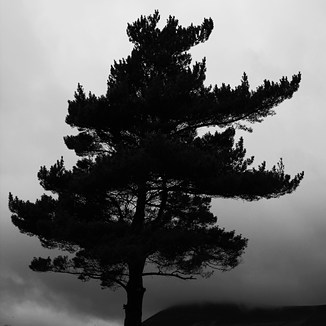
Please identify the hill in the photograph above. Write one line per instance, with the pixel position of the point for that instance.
(225, 315)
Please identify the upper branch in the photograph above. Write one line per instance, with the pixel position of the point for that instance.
(224, 106)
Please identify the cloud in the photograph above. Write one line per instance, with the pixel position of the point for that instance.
(36, 301)
(33, 313)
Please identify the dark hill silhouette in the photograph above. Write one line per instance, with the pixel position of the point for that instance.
(225, 315)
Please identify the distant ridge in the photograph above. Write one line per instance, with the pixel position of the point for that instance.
(227, 314)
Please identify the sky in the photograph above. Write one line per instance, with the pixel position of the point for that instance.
(47, 47)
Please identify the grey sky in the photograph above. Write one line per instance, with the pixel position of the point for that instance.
(47, 47)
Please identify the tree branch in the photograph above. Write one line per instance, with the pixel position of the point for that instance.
(93, 276)
(173, 274)
(164, 198)
(212, 123)
(117, 205)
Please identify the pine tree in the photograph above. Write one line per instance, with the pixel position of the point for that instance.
(137, 202)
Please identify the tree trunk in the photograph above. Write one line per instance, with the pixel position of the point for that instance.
(135, 294)
(138, 219)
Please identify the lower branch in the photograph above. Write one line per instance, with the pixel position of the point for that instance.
(173, 274)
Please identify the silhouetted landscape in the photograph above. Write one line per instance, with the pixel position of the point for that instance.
(174, 173)
(223, 315)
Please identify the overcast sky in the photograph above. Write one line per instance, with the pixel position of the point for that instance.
(47, 47)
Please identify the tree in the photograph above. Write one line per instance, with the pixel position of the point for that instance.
(137, 202)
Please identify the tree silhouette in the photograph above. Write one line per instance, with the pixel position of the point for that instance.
(137, 202)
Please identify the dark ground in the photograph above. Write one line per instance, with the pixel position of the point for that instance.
(225, 315)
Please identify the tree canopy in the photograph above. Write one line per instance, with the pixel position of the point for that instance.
(137, 202)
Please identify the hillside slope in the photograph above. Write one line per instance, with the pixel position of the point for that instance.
(225, 315)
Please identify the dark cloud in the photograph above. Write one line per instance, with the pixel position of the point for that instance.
(23, 293)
